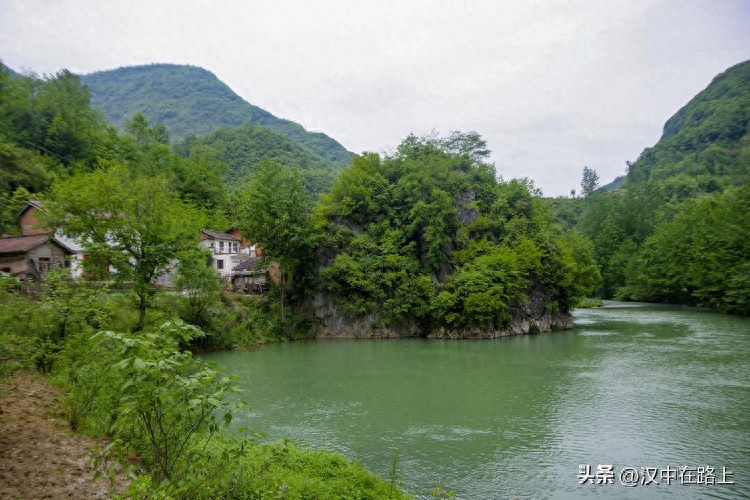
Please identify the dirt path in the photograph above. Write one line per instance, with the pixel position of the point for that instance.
(40, 457)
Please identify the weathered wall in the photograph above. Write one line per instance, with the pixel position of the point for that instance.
(29, 223)
(15, 264)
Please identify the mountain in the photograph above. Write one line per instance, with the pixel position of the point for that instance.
(8, 70)
(190, 100)
(705, 146)
(245, 147)
(676, 229)
(615, 184)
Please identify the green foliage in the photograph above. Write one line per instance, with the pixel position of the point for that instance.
(192, 101)
(170, 405)
(700, 257)
(275, 210)
(70, 306)
(589, 181)
(649, 236)
(429, 235)
(47, 131)
(20, 318)
(244, 469)
(244, 148)
(136, 224)
(199, 285)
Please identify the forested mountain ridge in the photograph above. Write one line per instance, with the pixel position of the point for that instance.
(677, 229)
(707, 139)
(243, 148)
(190, 100)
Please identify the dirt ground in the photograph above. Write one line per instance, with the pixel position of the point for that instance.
(40, 456)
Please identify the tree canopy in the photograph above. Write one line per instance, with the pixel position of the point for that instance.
(428, 234)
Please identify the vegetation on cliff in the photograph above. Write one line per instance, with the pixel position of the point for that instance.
(429, 235)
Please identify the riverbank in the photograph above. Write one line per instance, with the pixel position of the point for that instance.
(40, 456)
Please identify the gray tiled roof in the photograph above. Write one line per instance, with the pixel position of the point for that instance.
(219, 235)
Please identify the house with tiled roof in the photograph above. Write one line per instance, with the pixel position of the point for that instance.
(225, 250)
(30, 224)
(32, 256)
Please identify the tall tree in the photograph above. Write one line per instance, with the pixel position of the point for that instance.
(589, 181)
(275, 213)
(137, 224)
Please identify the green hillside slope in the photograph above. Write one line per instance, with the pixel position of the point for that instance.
(244, 148)
(192, 101)
(668, 234)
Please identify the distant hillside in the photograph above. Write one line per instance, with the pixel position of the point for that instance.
(245, 147)
(677, 229)
(192, 101)
(705, 146)
(615, 184)
(9, 70)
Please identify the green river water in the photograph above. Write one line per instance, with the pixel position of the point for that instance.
(632, 385)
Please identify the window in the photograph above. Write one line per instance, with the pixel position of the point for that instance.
(219, 264)
(221, 247)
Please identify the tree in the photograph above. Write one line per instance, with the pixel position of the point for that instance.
(199, 285)
(275, 213)
(589, 181)
(136, 224)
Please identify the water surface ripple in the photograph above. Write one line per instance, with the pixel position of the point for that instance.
(631, 385)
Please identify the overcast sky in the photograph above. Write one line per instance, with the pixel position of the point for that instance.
(551, 85)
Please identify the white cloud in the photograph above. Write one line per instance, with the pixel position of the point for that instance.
(552, 85)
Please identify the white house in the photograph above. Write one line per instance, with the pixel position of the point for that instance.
(225, 250)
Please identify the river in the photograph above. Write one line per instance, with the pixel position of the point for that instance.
(662, 390)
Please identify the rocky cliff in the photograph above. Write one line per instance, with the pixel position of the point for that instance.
(528, 318)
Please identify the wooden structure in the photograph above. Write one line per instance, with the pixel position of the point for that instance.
(33, 256)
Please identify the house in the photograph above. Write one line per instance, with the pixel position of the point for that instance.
(37, 250)
(225, 250)
(250, 276)
(32, 256)
(238, 261)
(31, 225)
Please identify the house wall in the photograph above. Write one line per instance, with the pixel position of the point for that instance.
(45, 257)
(40, 259)
(223, 257)
(14, 264)
(29, 221)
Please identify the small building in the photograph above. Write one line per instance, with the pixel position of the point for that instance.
(32, 256)
(31, 225)
(225, 250)
(250, 276)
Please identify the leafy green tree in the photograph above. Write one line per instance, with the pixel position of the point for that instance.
(243, 149)
(171, 404)
(145, 135)
(10, 208)
(589, 181)
(700, 257)
(275, 212)
(428, 235)
(199, 285)
(136, 224)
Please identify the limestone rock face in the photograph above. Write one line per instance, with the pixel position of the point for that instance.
(530, 317)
